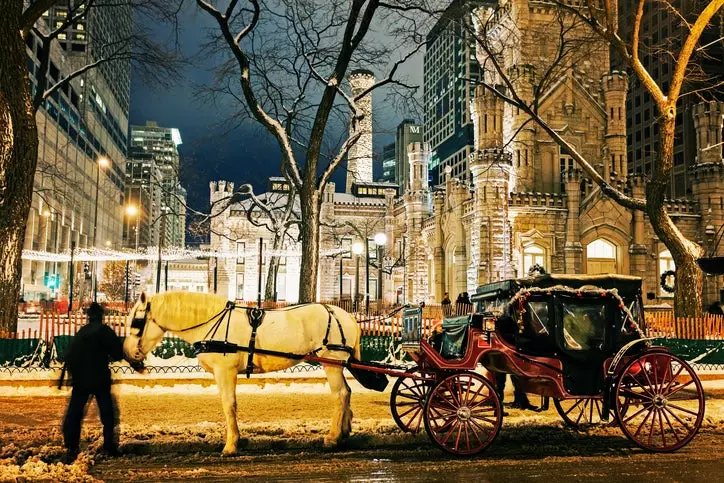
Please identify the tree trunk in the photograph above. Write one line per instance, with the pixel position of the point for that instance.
(273, 269)
(309, 201)
(18, 159)
(689, 278)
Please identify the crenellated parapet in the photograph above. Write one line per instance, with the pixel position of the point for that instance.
(538, 200)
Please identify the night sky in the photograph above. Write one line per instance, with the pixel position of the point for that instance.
(247, 154)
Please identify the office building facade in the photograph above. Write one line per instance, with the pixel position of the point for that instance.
(450, 71)
(77, 125)
(408, 131)
(154, 167)
(663, 30)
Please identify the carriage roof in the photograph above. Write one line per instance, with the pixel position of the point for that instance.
(627, 285)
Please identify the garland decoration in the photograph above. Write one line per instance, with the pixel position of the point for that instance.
(629, 324)
(663, 282)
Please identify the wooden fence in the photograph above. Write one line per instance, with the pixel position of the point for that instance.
(664, 324)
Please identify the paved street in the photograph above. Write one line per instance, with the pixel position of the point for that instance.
(175, 437)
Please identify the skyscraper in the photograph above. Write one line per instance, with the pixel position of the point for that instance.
(663, 31)
(78, 125)
(155, 149)
(450, 71)
(388, 163)
(408, 131)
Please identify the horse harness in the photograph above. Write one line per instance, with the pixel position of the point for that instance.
(256, 317)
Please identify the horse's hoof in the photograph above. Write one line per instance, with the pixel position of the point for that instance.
(330, 442)
(227, 452)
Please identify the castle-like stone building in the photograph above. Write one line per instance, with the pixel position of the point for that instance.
(525, 202)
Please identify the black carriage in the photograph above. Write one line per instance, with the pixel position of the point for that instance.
(577, 339)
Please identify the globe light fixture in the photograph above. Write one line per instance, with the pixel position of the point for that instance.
(380, 239)
(131, 210)
(103, 162)
(357, 248)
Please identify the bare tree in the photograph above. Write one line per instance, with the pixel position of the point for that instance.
(277, 213)
(19, 104)
(288, 63)
(600, 19)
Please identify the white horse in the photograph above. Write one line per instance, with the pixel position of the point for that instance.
(297, 330)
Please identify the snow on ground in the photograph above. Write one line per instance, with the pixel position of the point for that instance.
(186, 430)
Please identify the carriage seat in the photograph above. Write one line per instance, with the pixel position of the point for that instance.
(454, 337)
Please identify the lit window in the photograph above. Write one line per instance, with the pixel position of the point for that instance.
(240, 249)
(62, 36)
(532, 255)
(601, 249)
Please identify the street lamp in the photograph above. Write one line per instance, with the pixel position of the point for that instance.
(357, 249)
(131, 211)
(380, 241)
(102, 162)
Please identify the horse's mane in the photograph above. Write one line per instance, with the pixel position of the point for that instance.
(179, 310)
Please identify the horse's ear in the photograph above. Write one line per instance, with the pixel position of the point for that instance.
(143, 297)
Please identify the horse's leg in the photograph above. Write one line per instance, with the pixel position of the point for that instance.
(347, 415)
(225, 376)
(340, 393)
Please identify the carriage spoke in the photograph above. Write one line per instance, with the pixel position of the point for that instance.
(635, 395)
(677, 418)
(676, 435)
(416, 410)
(682, 409)
(668, 386)
(648, 380)
(653, 425)
(643, 423)
(635, 414)
(574, 406)
(661, 427)
(679, 388)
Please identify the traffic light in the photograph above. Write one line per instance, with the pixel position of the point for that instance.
(51, 280)
(87, 270)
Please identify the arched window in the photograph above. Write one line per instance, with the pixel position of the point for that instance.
(533, 254)
(601, 249)
(601, 257)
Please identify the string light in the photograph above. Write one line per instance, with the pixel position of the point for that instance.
(151, 254)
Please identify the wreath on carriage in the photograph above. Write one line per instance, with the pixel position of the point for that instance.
(669, 288)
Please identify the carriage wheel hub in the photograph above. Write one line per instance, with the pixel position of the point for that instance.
(463, 413)
(660, 401)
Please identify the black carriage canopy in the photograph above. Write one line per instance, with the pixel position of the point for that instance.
(628, 286)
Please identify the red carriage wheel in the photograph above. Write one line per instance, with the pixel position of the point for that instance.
(580, 412)
(659, 402)
(407, 403)
(463, 414)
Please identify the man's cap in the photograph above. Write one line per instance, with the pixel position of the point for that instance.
(95, 310)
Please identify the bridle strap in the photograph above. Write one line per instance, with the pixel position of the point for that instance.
(256, 315)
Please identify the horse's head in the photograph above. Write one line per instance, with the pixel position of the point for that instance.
(144, 332)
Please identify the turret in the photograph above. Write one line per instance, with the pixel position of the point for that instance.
(708, 120)
(614, 86)
(418, 155)
(359, 158)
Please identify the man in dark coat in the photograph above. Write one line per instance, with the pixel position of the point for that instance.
(93, 347)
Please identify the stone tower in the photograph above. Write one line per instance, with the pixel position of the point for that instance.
(220, 192)
(614, 86)
(490, 167)
(416, 210)
(359, 159)
(708, 185)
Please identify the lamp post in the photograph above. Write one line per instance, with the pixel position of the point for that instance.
(380, 241)
(357, 248)
(131, 211)
(102, 162)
